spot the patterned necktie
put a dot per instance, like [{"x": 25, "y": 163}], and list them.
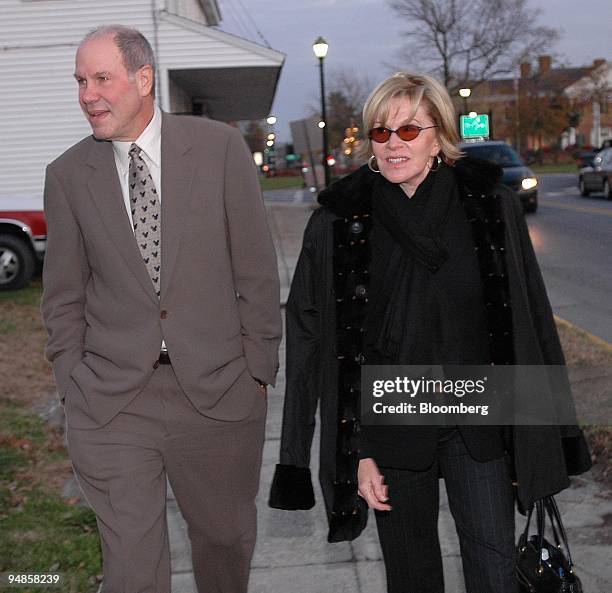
[{"x": 146, "y": 215}]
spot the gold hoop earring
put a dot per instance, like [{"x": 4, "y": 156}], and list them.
[
  {"x": 371, "y": 166},
  {"x": 438, "y": 162}
]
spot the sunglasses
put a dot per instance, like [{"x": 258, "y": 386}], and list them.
[{"x": 406, "y": 133}]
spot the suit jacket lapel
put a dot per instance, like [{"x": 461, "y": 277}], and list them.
[
  {"x": 178, "y": 166},
  {"x": 106, "y": 192}
]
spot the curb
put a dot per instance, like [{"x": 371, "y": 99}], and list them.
[{"x": 600, "y": 342}]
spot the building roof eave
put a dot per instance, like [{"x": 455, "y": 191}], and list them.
[
  {"x": 236, "y": 81},
  {"x": 264, "y": 52},
  {"x": 211, "y": 11}
]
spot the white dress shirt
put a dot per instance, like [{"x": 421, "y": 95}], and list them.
[{"x": 149, "y": 143}]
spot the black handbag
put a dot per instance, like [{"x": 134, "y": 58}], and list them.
[{"x": 542, "y": 567}]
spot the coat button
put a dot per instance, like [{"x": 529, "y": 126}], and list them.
[
  {"x": 360, "y": 291},
  {"x": 163, "y": 314},
  {"x": 356, "y": 227}
]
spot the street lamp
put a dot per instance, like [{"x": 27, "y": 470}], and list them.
[
  {"x": 320, "y": 47},
  {"x": 464, "y": 94}
]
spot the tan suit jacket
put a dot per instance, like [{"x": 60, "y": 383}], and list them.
[{"x": 219, "y": 310}]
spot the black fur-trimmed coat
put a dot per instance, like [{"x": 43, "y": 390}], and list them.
[{"x": 325, "y": 312}]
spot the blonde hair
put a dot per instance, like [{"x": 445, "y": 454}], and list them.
[{"x": 419, "y": 89}]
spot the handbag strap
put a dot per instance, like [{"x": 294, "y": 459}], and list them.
[
  {"x": 543, "y": 506},
  {"x": 526, "y": 530},
  {"x": 551, "y": 518},
  {"x": 537, "y": 505},
  {"x": 551, "y": 504},
  {"x": 541, "y": 521}
]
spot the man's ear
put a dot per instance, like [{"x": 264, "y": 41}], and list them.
[{"x": 144, "y": 77}]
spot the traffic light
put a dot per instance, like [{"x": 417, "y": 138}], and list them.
[
  {"x": 290, "y": 156},
  {"x": 270, "y": 161}
]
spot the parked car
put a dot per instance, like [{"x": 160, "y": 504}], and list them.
[
  {"x": 23, "y": 240},
  {"x": 597, "y": 177},
  {"x": 585, "y": 158},
  {"x": 516, "y": 174}
]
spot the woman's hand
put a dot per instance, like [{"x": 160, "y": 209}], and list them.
[{"x": 371, "y": 485}]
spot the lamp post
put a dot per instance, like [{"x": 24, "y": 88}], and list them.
[
  {"x": 464, "y": 94},
  {"x": 320, "y": 47}
]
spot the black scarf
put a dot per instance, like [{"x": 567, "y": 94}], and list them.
[{"x": 409, "y": 320}]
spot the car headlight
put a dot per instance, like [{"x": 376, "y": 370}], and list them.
[{"x": 529, "y": 183}]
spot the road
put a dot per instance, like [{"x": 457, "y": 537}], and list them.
[{"x": 572, "y": 238}]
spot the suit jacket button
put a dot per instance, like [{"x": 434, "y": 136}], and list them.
[
  {"x": 156, "y": 364},
  {"x": 163, "y": 314}
]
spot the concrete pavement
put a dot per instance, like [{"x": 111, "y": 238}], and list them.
[{"x": 292, "y": 554}]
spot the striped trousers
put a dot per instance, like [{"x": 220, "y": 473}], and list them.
[{"x": 482, "y": 504}]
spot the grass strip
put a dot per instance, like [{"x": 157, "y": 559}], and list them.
[
  {"x": 40, "y": 532},
  {"x": 271, "y": 183},
  {"x": 558, "y": 168},
  {"x": 584, "y": 350}
]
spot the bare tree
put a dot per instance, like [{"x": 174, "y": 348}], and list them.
[
  {"x": 355, "y": 86},
  {"x": 467, "y": 42},
  {"x": 254, "y": 135},
  {"x": 347, "y": 93},
  {"x": 543, "y": 116}
]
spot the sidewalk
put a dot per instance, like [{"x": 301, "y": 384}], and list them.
[{"x": 292, "y": 554}]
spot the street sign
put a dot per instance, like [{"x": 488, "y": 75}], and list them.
[
  {"x": 474, "y": 127},
  {"x": 307, "y": 136}
]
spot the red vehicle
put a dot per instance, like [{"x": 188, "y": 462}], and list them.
[{"x": 23, "y": 239}]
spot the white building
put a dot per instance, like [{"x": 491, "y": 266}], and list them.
[
  {"x": 593, "y": 93},
  {"x": 201, "y": 70}
]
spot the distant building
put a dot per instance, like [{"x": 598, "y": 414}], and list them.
[
  {"x": 548, "y": 107},
  {"x": 201, "y": 70}
]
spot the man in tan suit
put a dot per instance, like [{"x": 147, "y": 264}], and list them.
[{"x": 161, "y": 303}]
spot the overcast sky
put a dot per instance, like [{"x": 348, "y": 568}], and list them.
[{"x": 363, "y": 35}]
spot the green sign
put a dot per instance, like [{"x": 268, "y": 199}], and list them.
[{"x": 475, "y": 127}]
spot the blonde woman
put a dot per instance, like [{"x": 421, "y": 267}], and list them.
[{"x": 419, "y": 257}]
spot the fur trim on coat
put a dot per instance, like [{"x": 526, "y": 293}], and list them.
[{"x": 325, "y": 313}]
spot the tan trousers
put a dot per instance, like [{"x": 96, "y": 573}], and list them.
[{"x": 213, "y": 467}]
